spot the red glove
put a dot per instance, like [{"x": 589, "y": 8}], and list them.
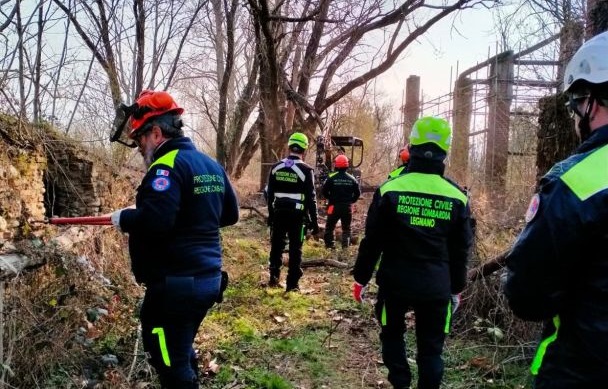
[{"x": 358, "y": 291}]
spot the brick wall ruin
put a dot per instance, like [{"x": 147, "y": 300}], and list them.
[{"x": 53, "y": 176}]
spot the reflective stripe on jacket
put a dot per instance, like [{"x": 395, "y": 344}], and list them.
[
  {"x": 559, "y": 264},
  {"x": 420, "y": 224},
  {"x": 182, "y": 201}
]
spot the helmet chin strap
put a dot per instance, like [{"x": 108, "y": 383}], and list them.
[{"x": 584, "y": 125}]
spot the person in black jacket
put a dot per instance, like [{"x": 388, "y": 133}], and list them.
[
  {"x": 292, "y": 207},
  {"x": 404, "y": 157},
  {"x": 174, "y": 238},
  {"x": 420, "y": 224},
  {"x": 558, "y": 267},
  {"x": 341, "y": 190}
]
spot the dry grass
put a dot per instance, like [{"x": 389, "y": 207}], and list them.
[{"x": 52, "y": 340}]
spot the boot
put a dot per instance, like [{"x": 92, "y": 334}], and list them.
[
  {"x": 292, "y": 288},
  {"x": 329, "y": 240},
  {"x": 345, "y": 242},
  {"x": 273, "y": 282}
]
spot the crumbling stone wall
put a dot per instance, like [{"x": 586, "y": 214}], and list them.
[
  {"x": 79, "y": 183},
  {"x": 44, "y": 174},
  {"x": 22, "y": 165}
]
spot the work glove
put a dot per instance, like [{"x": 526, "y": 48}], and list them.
[
  {"x": 358, "y": 291},
  {"x": 314, "y": 229},
  {"x": 455, "y": 302},
  {"x": 115, "y": 217}
]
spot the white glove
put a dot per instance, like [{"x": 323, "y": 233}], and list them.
[
  {"x": 115, "y": 217},
  {"x": 455, "y": 302}
]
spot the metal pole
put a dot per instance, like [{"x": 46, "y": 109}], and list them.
[{"x": 84, "y": 220}]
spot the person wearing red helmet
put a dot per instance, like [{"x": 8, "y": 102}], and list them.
[
  {"x": 404, "y": 157},
  {"x": 174, "y": 239},
  {"x": 341, "y": 190}
]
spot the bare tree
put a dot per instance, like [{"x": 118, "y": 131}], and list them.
[
  {"x": 343, "y": 52},
  {"x": 117, "y": 34}
]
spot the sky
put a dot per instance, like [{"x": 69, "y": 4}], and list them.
[{"x": 456, "y": 43}]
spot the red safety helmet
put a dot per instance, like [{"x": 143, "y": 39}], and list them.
[
  {"x": 341, "y": 161},
  {"x": 404, "y": 154},
  {"x": 150, "y": 104}
]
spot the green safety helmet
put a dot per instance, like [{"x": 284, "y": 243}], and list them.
[
  {"x": 431, "y": 129},
  {"x": 298, "y": 139}
]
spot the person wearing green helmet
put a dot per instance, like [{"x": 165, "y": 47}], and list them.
[
  {"x": 420, "y": 223},
  {"x": 551, "y": 276},
  {"x": 292, "y": 207}
]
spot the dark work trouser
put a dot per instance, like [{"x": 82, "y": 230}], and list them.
[
  {"x": 344, "y": 213},
  {"x": 170, "y": 315},
  {"x": 571, "y": 359},
  {"x": 287, "y": 223},
  {"x": 432, "y": 325}
]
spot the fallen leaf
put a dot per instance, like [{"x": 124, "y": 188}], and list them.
[
  {"x": 213, "y": 367},
  {"x": 480, "y": 362}
]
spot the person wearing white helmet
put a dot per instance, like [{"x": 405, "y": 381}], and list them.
[{"x": 551, "y": 277}]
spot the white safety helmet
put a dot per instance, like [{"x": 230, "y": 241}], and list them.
[{"x": 589, "y": 63}]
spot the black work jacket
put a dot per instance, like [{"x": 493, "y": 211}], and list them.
[
  {"x": 341, "y": 188},
  {"x": 420, "y": 224},
  {"x": 559, "y": 264},
  {"x": 291, "y": 186}
]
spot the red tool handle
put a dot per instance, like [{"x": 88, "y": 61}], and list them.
[{"x": 84, "y": 220}]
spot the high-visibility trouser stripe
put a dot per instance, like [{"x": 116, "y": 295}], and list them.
[
  {"x": 542, "y": 348},
  {"x": 383, "y": 315},
  {"x": 162, "y": 344},
  {"x": 378, "y": 263},
  {"x": 302, "y": 233},
  {"x": 293, "y": 196},
  {"x": 448, "y": 318}
]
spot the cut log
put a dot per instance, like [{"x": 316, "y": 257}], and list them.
[
  {"x": 325, "y": 262},
  {"x": 488, "y": 267},
  {"x": 254, "y": 209}
]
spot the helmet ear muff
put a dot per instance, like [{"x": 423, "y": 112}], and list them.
[{"x": 151, "y": 104}]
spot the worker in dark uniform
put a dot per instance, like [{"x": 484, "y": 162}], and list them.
[
  {"x": 558, "y": 267},
  {"x": 174, "y": 237},
  {"x": 341, "y": 190},
  {"x": 420, "y": 223},
  {"x": 292, "y": 208},
  {"x": 404, "y": 157}
]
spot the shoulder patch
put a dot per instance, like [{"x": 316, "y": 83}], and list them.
[
  {"x": 161, "y": 184},
  {"x": 162, "y": 172},
  {"x": 532, "y": 208}
]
